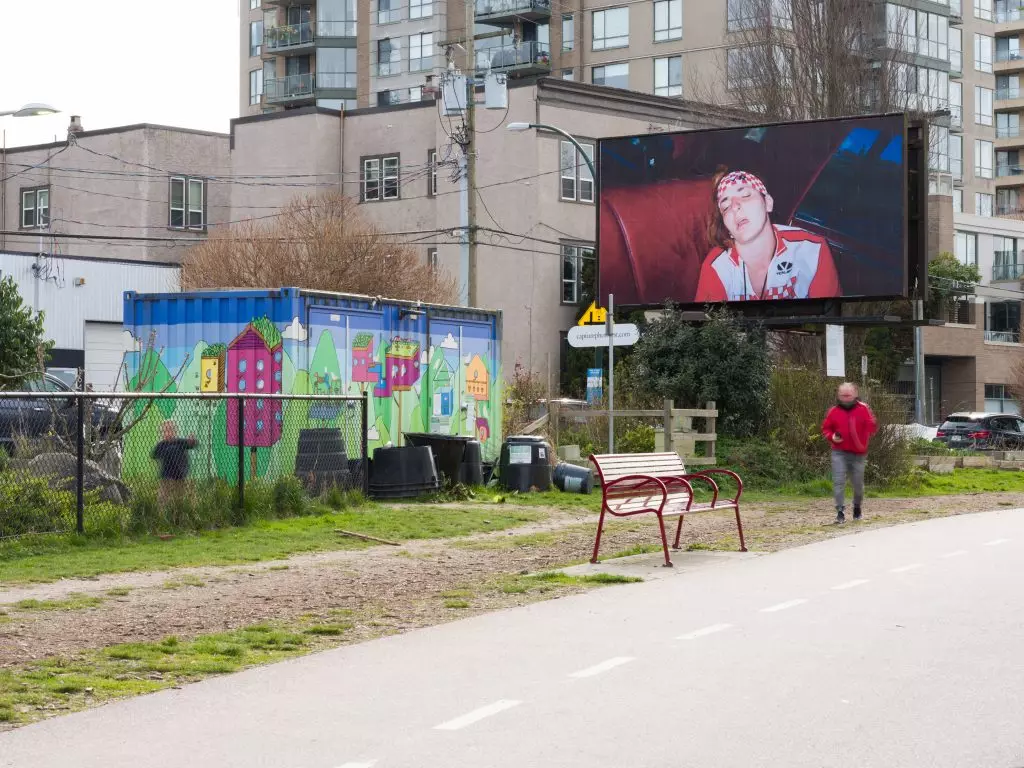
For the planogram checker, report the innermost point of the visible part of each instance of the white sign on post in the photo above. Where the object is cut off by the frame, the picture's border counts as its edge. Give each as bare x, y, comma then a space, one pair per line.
625, 335
835, 351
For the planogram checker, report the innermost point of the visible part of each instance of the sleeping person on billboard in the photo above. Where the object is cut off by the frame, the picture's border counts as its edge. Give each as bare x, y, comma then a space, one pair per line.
754, 259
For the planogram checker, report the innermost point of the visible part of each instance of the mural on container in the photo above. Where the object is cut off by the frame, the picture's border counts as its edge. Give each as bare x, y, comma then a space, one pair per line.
437, 375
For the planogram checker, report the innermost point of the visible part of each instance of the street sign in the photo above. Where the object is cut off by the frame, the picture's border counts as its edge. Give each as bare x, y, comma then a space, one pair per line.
595, 384
626, 335
594, 315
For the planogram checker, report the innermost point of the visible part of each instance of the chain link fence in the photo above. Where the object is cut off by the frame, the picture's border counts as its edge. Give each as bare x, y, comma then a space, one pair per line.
116, 463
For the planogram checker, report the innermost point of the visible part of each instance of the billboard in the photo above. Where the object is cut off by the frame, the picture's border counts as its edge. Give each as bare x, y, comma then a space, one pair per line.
794, 211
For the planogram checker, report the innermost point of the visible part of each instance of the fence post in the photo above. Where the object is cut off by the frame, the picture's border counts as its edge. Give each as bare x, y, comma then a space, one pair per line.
241, 453
365, 440
710, 424
80, 501
668, 426
554, 422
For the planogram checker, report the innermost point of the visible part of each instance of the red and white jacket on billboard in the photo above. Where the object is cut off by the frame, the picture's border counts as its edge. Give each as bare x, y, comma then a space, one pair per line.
802, 268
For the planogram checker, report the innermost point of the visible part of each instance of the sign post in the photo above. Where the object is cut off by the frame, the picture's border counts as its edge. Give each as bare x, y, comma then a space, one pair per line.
611, 373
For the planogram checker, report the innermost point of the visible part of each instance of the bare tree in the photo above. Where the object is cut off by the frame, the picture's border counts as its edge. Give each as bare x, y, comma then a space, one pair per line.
319, 242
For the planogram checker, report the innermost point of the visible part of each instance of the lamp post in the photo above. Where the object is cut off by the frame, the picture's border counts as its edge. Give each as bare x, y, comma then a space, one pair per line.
33, 109
522, 127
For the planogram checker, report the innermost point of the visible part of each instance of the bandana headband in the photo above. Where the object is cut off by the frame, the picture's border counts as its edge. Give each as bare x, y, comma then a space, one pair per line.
738, 178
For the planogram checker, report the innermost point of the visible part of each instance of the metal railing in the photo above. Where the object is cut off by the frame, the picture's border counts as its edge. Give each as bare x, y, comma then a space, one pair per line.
1007, 271
1003, 337
1011, 14
1007, 131
1010, 210
513, 7
1009, 170
289, 87
289, 36
1005, 56
1008, 93
144, 462
509, 56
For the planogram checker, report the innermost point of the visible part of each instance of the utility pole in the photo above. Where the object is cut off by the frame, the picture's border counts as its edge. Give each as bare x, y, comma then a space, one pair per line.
470, 148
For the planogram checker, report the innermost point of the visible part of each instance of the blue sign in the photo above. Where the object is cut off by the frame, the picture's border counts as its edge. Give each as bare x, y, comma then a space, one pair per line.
595, 384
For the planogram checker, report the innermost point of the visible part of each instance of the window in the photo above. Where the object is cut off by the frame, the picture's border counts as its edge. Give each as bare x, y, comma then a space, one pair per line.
742, 64
420, 9
745, 14
421, 51
255, 38
613, 75
568, 74
336, 68
668, 76
389, 57
336, 18
925, 89
1008, 49
982, 105
958, 201
1006, 264
956, 50
983, 159
572, 271
380, 178
938, 155
1002, 321
982, 53
35, 208
983, 9
668, 20
187, 203
255, 86
577, 183
432, 259
1007, 163
918, 32
432, 176
982, 204
611, 28
956, 156
999, 400
254, 4
416, 93
385, 15
1008, 202
965, 246
1008, 86
568, 32
956, 104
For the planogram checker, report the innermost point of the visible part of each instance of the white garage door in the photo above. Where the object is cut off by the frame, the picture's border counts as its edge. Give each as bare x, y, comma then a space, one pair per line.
104, 351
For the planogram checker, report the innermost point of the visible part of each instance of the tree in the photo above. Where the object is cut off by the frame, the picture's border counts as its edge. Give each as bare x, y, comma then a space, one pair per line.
950, 281
721, 359
23, 343
320, 242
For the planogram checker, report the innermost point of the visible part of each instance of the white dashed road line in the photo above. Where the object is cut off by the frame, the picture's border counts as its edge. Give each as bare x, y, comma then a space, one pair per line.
905, 568
850, 584
954, 553
783, 606
477, 715
996, 542
705, 631
604, 666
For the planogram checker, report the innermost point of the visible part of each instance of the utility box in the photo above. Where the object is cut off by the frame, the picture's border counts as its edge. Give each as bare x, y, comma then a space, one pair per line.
496, 91
454, 93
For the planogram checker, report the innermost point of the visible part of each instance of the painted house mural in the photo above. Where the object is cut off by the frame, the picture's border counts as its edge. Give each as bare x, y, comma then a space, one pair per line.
422, 368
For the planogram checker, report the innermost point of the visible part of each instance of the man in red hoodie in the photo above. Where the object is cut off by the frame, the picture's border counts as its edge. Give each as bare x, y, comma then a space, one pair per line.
848, 427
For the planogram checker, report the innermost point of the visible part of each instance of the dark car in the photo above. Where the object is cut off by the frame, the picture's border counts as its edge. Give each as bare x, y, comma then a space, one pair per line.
999, 431
31, 418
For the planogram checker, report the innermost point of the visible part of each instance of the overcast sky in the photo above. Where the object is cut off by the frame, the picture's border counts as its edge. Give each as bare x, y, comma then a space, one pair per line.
118, 62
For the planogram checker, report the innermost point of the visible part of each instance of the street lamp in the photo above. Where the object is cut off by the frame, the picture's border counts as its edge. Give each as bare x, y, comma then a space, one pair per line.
29, 110
521, 127
32, 110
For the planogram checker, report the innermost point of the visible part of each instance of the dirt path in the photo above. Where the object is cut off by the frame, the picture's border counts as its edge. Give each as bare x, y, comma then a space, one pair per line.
388, 589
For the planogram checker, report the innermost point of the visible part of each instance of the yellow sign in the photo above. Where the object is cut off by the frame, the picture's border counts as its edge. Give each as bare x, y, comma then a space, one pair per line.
593, 315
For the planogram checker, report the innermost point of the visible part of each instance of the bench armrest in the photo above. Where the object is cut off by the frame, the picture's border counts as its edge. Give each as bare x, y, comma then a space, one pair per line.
709, 481
736, 479
635, 483
684, 482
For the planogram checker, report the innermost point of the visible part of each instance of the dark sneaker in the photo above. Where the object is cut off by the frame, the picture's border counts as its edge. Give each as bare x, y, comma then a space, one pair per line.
856, 513
840, 518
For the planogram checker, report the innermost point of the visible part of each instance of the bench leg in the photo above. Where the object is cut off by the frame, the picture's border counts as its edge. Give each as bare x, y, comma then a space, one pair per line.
597, 541
679, 531
664, 541
739, 527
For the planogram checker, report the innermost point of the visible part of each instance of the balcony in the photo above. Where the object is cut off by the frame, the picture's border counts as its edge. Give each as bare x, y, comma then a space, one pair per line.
1007, 272
956, 15
1010, 210
1003, 337
527, 58
283, 90
1008, 61
956, 117
1009, 20
1009, 175
289, 38
956, 63
510, 11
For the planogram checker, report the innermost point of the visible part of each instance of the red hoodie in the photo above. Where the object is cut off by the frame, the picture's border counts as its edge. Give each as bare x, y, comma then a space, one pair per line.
855, 426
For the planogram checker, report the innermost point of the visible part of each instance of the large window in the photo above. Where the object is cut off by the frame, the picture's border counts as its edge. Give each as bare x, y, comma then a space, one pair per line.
614, 75
956, 104
573, 257
336, 18
388, 11
982, 53
982, 204
918, 32
255, 38
35, 208
965, 246
956, 50
998, 399
255, 86
983, 9
938, 155
577, 183
668, 76
568, 32
336, 68
668, 20
380, 178
1007, 86
958, 201
983, 159
747, 14
1006, 265
925, 89
1008, 49
956, 156
187, 203
611, 28
420, 9
1002, 321
389, 57
982, 105
421, 51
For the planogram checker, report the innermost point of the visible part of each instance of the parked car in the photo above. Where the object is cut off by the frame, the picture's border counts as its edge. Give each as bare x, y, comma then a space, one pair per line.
29, 418
981, 431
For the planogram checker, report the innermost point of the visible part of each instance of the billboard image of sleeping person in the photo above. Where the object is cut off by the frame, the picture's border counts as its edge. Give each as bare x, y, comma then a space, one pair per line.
795, 211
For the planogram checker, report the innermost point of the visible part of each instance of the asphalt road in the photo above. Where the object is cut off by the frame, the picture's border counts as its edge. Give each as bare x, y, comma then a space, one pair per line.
895, 647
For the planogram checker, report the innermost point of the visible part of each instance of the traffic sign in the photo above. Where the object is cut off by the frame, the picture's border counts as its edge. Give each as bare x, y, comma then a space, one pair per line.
593, 315
626, 335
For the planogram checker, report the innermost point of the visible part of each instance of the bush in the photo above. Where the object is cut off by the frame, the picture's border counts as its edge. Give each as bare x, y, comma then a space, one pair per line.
637, 439
764, 463
29, 505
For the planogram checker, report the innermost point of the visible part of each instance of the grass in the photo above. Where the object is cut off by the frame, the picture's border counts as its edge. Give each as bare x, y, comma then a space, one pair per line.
551, 580
73, 602
119, 591
456, 603
49, 558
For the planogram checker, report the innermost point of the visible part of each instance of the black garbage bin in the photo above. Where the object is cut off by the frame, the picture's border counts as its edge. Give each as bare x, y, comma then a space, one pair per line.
448, 451
525, 464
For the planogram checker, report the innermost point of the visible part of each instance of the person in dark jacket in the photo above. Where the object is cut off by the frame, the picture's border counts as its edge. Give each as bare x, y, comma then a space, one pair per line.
172, 455
848, 426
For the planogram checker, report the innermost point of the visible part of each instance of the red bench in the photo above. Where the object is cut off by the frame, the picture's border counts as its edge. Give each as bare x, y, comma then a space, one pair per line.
658, 483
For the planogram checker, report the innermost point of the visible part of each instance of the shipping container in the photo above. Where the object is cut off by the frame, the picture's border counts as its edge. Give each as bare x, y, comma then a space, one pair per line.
423, 368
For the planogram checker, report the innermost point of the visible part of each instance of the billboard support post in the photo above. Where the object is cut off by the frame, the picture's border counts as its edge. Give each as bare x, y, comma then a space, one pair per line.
918, 364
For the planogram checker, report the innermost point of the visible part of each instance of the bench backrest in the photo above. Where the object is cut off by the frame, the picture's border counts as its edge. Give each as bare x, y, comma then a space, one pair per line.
612, 466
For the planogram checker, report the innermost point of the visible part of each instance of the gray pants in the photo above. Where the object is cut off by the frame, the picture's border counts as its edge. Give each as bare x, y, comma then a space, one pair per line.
849, 464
